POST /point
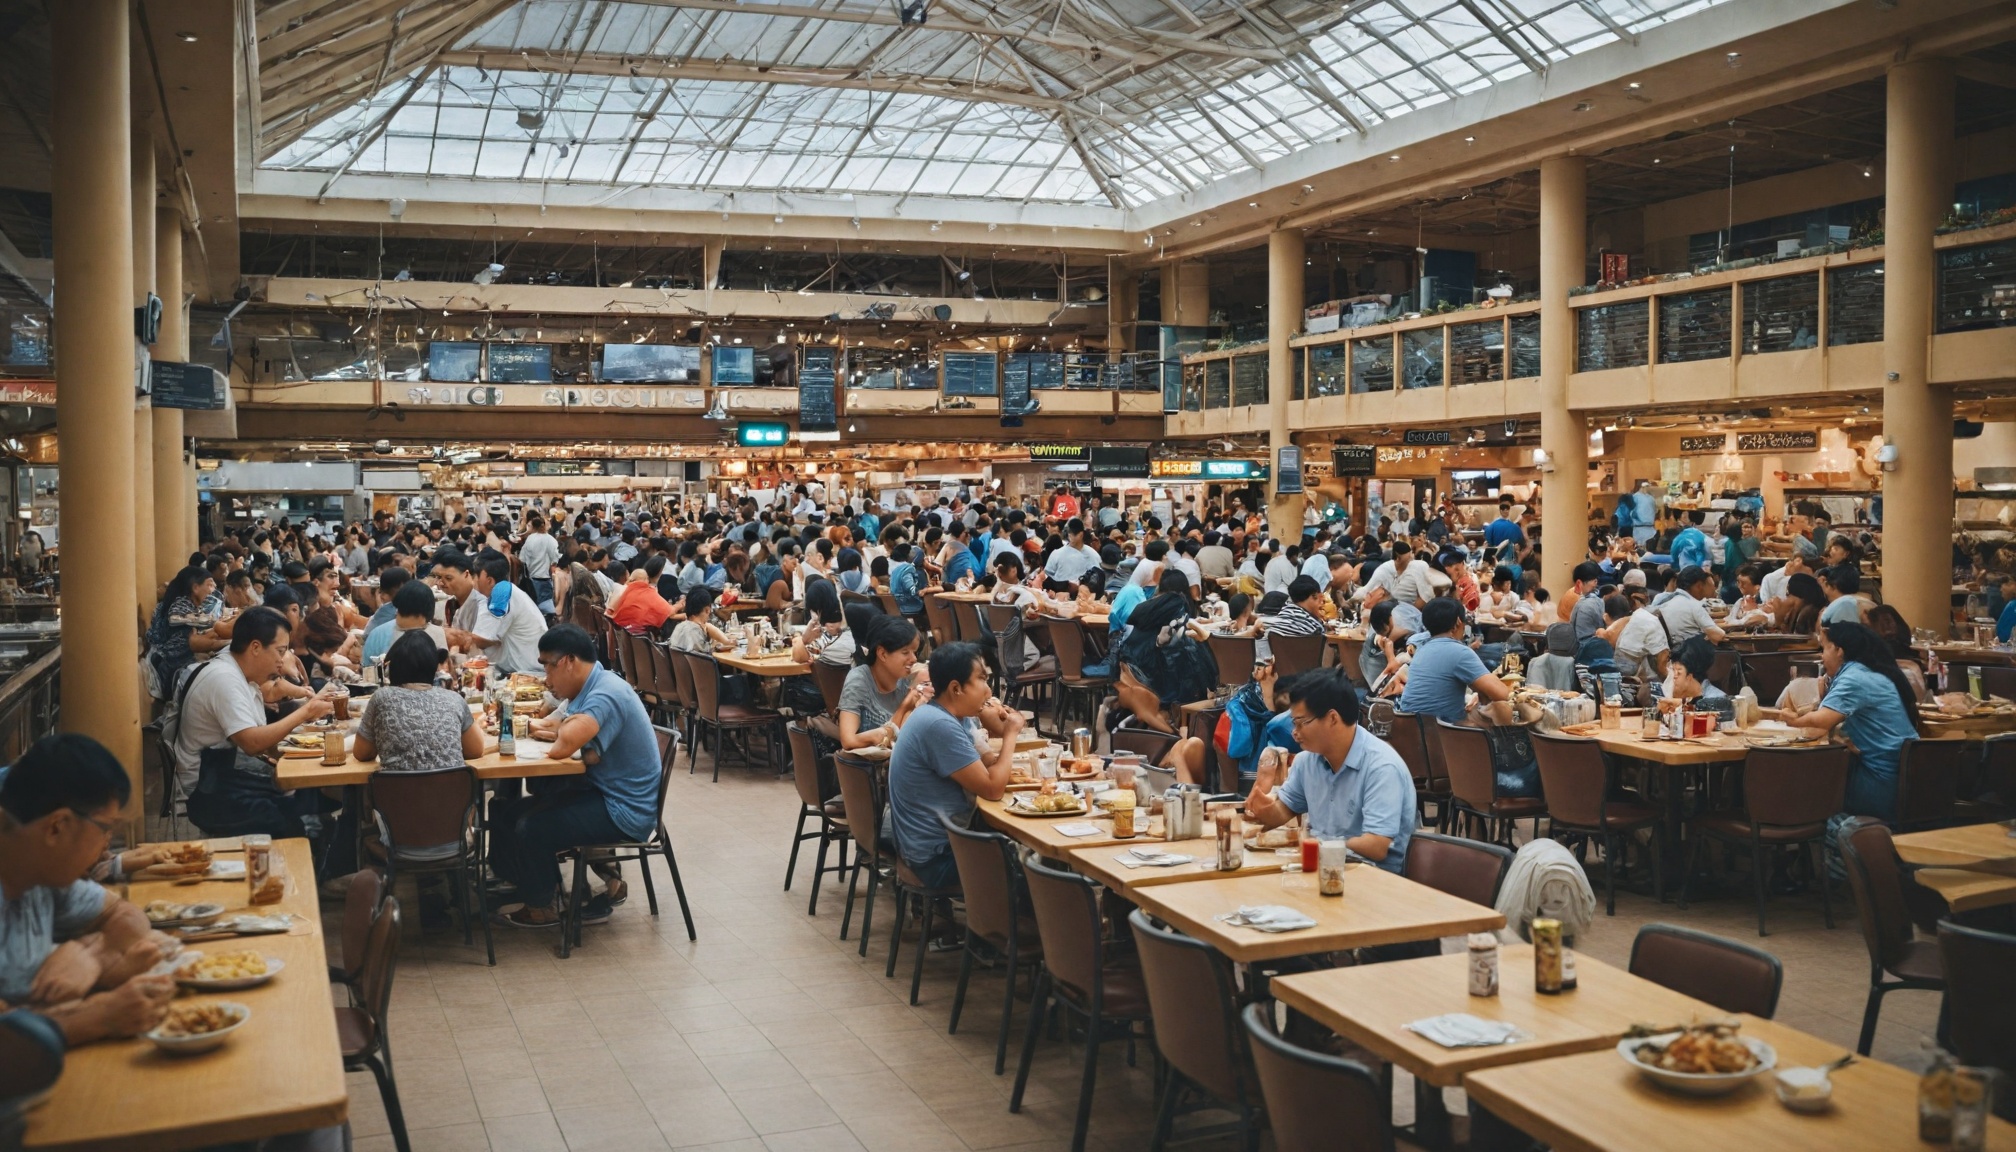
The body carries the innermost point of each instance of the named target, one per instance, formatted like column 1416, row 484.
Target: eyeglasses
column 1297, row 723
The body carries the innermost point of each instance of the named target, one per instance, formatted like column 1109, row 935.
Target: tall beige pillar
column 173, row 542
column 1123, row 306
column 1564, row 433
column 91, row 192
column 1186, row 293
column 143, row 425
column 1917, row 417
column 1285, row 255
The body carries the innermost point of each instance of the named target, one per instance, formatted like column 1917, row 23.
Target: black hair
column 281, row 597
column 453, row 558
column 822, row 600
column 1322, row 691
column 1299, row 589
column 414, row 599
column 1860, row 644
column 492, row 565
column 1846, row 578
column 184, row 582
column 849, row 561
column 412, row 658
column 63, row 770
column 1587, row 570
column 1696, row 655
column 1237, row 604
column 1441, row 615
column 1691, row 575
column 568, row 640
column 391, row 579
column 1616, row 606
column 885, row 633
column 294, row 572
column 1172, row 582
column 257, row 626
column 1381, row 618
column 655, row 566
column 953, row 664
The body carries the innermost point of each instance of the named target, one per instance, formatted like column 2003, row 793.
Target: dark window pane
column 1977, row 287
column 1694, row 326
column 1249, row 379
column 1372, row 364
column 1525, row 345
column 1855, row 304
column 1612, row 335
column 1217, row 384
column 1295, row 373
column 1329, row 369
column 1421, row 350
column 1476, row 352
column 1781, row 315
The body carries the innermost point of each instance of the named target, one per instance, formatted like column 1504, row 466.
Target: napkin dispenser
column 1183, row 812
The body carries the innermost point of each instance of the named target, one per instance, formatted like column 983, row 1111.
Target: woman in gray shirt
column 410, row 725
column 878, row 696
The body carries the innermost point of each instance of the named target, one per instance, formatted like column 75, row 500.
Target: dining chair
column 1999, row 680
column 1980, row 1008
column 1146, row 743
column 1767, row 674
column 1294, row 655
column 830, row 679
column 1081, row 975
column 1993, row 795
column 1473, row 783
column 1067, row 639
column 996, row 926
column 1466, row 869
column 1726, row 672
column 1404, row 733
column 863, row 808
column 1578, row 780
column 938, row 613
column 1895, row 950
column 361, row 897
column 1194, row 996
column 1005, row 629
column 1235, row 656
column 362, row 1026
column 1928, row 782
column 726, row 719
column 814, row 804
column 664, row 683
column 689, row 705
column 1316, row 1102
column 1734, row 977
column 658, row 842
column 432, row 823
column 1788, row 796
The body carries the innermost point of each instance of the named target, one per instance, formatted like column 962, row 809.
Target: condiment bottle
column 1546, row 956
column 1483, row 964
column 1330, row 858
column 1231, row 849
column 507, row 738
column 332, row 747
column 1935, row 1100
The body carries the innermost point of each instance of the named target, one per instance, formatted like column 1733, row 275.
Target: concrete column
column 1186, row 293
column 710, row 263
column 173, row 542
column 91, row 190
column 144, row 583
column 1564, row 434
column 1917, row 417
column 1285, row 255
column 1123, row 306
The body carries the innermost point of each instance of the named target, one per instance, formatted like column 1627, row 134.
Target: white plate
column 1697, row 1083
column 190, row 1045
column 274, row 967
column 226, row 870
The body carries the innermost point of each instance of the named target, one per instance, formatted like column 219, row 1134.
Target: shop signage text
column 1354, row 459
column 1808, row 441
column 495, row 396
column 1704, row 445
column 1059, row 453
column 1288, row 470
column 761, row 434
column 1425, row 436
column 1207, row 470
column 35, row 392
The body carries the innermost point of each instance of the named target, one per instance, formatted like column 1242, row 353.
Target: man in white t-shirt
column 539, row 553
column 1280, row 572
column 223, row 719
column 510, row 640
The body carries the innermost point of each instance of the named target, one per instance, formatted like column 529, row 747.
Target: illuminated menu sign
column 762, row 434
column 1207, row 470
column 1059, row 453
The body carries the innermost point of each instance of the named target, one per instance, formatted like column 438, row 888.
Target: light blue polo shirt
column 625, row 749
column 1372, row 793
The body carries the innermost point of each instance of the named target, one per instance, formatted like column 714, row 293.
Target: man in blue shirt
column 389, row 582
column 1690, row 544
column 1503, row 530
column 1443, row 670
column 959, row 561
column 906, row 580
column 936, row 768
column 615, row 800
column 1352, row 784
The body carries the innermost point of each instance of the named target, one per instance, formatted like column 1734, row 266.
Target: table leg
column 1431, row 1117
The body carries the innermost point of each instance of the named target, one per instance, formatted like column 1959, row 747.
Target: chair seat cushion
column 354, row 1032
column 743, row 714
column 1516, row 807
column 1629, row 814
column 1028, row 945
column 1921, row 962
column 1126, row 993
column 909, row 879
column 835, row 810
column 1736, row 826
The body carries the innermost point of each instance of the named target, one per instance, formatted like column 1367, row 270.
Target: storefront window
column 1477, row 352
column 1694, row 326
column 1217, row 384
column 1421, row 349
column 1372, row 364
column 1781, row 315
column 28, row 340
column 1249, row 380
column 1855, row 304
column 1193, row 387
column 1329, row 370
column 1525, row 345
column 1977, row 287
column 1612, row 335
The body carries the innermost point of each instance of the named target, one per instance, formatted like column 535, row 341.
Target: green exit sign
column 762, row 434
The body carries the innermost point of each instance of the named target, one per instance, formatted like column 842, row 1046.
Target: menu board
column 1125, row 461
column 1249, row 380
column 734, row 365
column 191, row 386
column 651, row 363
column 1353, row 459
column 521, row 364
column 454, row 361
column 1014, row 390
column 971, row 374
column 1044, row 369
column 817, row 411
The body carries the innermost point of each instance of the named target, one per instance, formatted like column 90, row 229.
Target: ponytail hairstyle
column 1861, row 645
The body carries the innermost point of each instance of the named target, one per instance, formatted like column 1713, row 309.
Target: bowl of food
column 226, row 971
column 198, row 1026
column 1805, row 1089
column 168, row 914
column 1704, row 1060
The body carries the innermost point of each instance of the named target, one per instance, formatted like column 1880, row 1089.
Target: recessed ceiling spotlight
column 1469, row 139
column 1252, row 204
column 1655, row 160
column 1633, row 86
column 1866, row 172
column 777, row 219
column 186, row 37
column 1393, row 159
column 1735, row 59
column 1584, row 106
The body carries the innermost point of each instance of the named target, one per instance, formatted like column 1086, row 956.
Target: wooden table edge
column 1480, row 1089
column 1279, row 945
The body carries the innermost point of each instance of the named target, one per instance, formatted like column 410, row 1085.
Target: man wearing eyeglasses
column 1353, row 785
column 69, row 948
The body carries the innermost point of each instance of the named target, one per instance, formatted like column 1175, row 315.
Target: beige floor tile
column 534, row 1133
column 831, row 1138
column 698, row 1117
column 619, row 1128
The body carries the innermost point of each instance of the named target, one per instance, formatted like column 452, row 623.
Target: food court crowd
column 1269, row 671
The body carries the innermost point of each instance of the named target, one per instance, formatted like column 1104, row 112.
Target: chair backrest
column 1405, row 736
column 682, row 679
column 668, row 755
column 1235, row 656
column 1316, row 1102
column 1980, row 997
column 662, row 676
column 1999, row 680
column 1767, row 674
column 1466, row 869
column 1466, row 754
column 1067, row 918
column 939, row 613
column 1998, row 768
column 1573, row 776
column 1431, row 743
column 426, row 809
column 1294, row 655
column 1877, row 878
column 1067, row 640
column 1149, row 744
column 360, row 907
column 381, row 956
column 830, row 678
column 1350, row 657
column 1734, row 977
column 706, row 685
column 857, row 799
column 989, row 878
column 804, row 766
column 889, row 605
column 1786, row 786
column 1725, row 672
column 626, row 643
column 582, row 612
column 1928, row 782
column 1200, row 1038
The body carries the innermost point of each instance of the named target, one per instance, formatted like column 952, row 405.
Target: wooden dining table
column 1101, row 862
column 777, row 664
column 1952, row 862
column 1042, row 835
column 1595, row 1102
column 531, row 760
column 1715, row 748
column 1378, row 907
column 280, row 1072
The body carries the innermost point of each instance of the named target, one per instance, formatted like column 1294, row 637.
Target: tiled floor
column 769, row 1033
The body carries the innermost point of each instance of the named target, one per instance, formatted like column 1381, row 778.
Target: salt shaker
column 1483, row 964
column 1330, row 858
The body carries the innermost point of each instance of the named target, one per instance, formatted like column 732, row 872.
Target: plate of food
column 298, row 743
column 1043, row 805
column 198, row 1026
column 188, row 859
column 226, row 971
column 1701, row 1060
column 169, row 914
